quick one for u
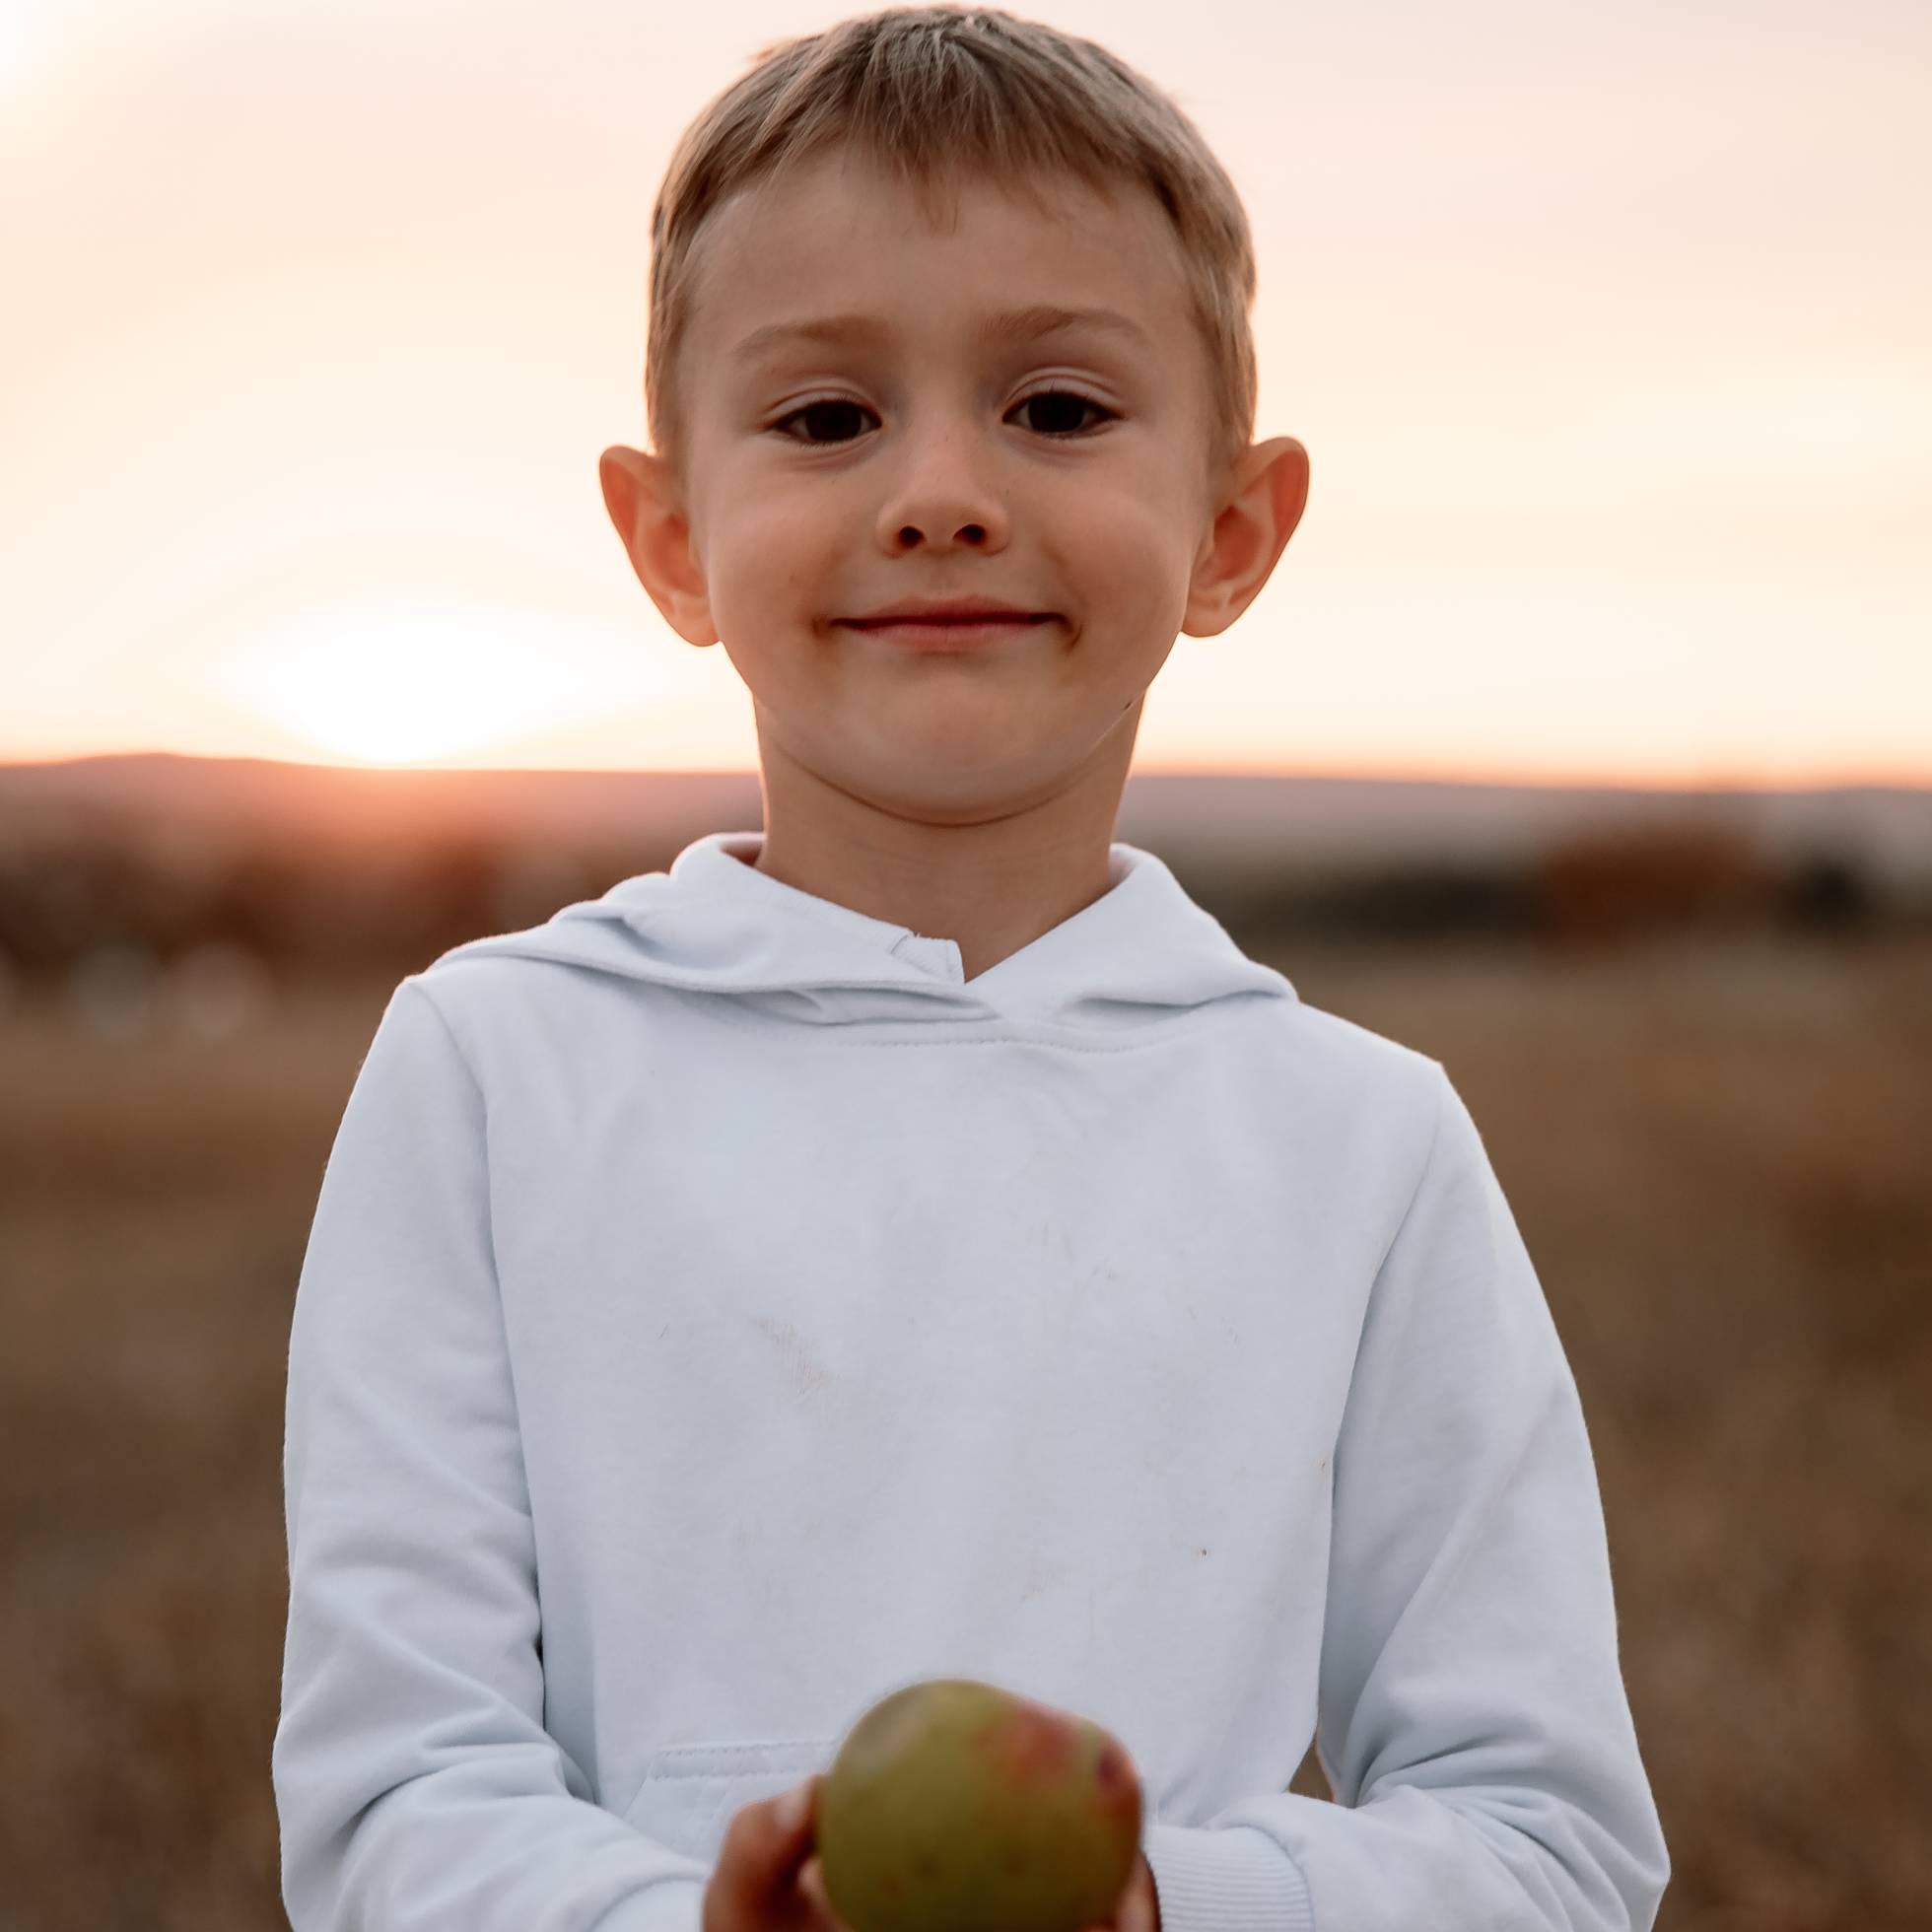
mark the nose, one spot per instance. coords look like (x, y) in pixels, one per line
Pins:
(944, 492)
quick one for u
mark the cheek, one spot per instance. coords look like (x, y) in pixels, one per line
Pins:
(762, 562)
(1132, 551)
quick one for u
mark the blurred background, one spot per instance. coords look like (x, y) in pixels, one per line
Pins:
(1582, 739)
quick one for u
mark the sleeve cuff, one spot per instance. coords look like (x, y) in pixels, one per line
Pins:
(1233, 1880)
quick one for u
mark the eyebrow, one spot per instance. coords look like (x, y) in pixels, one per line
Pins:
(1011, 325)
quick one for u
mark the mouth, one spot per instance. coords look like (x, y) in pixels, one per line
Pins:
(965, 619)
(950, 633)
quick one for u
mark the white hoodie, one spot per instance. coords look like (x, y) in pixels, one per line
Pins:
(719, 1314)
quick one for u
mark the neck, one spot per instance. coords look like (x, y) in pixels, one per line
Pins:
(992, 884)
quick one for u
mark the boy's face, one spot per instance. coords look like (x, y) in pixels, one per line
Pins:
(828, 480)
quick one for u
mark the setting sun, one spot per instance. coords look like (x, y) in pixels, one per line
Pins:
(402, 685)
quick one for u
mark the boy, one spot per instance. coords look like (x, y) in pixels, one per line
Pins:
(916, 1241)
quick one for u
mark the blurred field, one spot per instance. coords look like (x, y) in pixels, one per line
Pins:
(1719, 1151)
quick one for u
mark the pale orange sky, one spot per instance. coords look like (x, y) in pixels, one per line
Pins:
(1609, 331)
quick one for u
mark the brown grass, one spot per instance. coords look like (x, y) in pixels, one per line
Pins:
(1721, 1157)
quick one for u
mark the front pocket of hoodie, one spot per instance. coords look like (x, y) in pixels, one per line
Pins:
(690, 1792)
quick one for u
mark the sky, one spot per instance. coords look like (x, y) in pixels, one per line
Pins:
(1609, 332)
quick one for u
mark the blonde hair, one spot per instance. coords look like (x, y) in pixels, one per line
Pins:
(929, 93)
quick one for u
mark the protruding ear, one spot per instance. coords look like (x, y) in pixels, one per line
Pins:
(1260, 508)
(648, 512)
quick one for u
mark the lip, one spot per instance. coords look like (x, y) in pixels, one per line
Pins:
(948, 634)
(924, 610)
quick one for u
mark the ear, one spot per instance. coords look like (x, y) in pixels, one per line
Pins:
(1260, 506)
(647, 511)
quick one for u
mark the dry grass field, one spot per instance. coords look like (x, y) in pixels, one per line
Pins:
(1720, 1153)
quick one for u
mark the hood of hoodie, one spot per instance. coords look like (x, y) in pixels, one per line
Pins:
(714, 924)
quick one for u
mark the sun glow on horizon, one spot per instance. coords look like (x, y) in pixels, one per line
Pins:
(1620, 463)
(403, 684)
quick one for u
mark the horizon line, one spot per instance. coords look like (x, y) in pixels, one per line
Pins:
(1569, 781)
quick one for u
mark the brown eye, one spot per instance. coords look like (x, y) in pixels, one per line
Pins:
(831, 421)
(1064, 403)
(837, 409)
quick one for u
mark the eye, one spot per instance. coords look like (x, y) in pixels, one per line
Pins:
(833, 407)
(1063, 397)
(839, 411)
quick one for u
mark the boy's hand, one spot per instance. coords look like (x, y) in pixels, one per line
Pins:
(768, 1876)
(1140, 1908)
(758, 1883)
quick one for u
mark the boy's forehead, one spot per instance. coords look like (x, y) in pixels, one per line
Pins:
(839, 238)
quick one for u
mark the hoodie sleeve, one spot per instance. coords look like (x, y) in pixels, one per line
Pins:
(415, 1785)
(1472, 1721)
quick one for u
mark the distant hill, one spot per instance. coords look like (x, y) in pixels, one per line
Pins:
(1228, 824)
(313, 867)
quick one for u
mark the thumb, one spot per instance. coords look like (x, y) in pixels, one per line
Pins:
(792, 1811)
(758, 1861)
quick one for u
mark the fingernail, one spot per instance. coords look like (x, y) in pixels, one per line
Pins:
(792, 1807)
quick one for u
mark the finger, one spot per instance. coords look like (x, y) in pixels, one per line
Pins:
(794, 1812)
(759, 1855)
(812, 1883)
(1140, 1911)
(787, 1824)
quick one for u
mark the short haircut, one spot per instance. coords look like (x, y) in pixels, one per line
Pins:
(935, 93)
